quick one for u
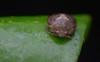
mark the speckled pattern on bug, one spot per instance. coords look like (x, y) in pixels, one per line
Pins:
(62, 25)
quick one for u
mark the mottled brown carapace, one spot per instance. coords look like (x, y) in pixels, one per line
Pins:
(62, 25)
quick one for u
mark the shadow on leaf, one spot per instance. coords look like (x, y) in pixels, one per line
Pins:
(59, 40)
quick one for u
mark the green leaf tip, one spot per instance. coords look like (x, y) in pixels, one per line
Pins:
(25, 39)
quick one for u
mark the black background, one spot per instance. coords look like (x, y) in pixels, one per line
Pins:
(90, 50)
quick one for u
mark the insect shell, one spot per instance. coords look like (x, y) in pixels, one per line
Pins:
(61, 25)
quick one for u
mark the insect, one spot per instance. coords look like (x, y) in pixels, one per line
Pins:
(61, 24)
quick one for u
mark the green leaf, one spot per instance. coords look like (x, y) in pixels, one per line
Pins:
(26, 39)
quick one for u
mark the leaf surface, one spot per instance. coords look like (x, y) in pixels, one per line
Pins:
(26, 39)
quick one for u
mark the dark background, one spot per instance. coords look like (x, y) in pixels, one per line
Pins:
(90, 50)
